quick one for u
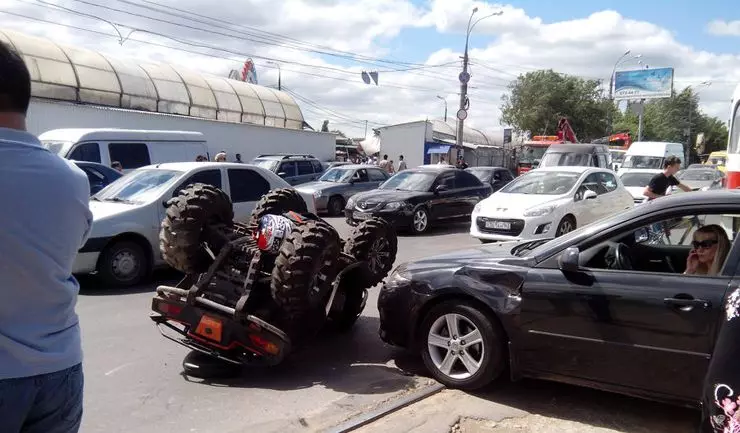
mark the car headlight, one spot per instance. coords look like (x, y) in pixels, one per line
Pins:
(350, 203)
(317, 194)
(477, 208)
(395, 205)
(398, 277)
(540, 211)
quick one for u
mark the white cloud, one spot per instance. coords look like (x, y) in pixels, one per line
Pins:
(503, 47)
(724, 28)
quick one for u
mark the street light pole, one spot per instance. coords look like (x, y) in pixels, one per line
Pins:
(688, 139)
(280, 73)
(445, 101)
(464, 77)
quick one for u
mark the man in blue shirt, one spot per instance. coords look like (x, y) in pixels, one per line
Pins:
(44, 220)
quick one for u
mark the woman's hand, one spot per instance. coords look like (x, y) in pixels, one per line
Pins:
(692, 262)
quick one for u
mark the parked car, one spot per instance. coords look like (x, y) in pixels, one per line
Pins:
(338, 184)
(497, 177)
(420, 197)
(123, 246)
(606, 306)
(636, 180)
(328, 165)
(98, 175)
(704, 178)
(549, 202)
(295, 169)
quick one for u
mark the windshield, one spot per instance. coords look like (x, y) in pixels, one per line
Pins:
(484, 175)
(639, 161)
(717, 160)
(559, 159)
(542, 183)
(58, 147)
(530, 154)
(139, 186)
(269, 164)
(410, 181)
(636, 179)
(696, 175)
(617, 157)
(338, 175)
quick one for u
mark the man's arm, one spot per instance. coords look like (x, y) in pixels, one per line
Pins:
(649, 193)
(684, 187)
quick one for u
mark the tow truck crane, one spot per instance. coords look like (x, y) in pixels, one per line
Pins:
(530, 152)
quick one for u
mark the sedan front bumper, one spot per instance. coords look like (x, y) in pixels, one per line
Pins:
(500, 228)
(397, 218)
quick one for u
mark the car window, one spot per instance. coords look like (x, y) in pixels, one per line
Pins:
(361, 176)
(592, 182)
(464, 179)
(377, 175)
(446, 179)
(304, 167)
(130, 155)
(86, 152)
(609, 182)
(664, 246)
(288, 168)
(317, 167)
(247, 185)
(602, 160)
(208, 177)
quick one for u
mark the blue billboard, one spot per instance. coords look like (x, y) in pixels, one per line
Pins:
(643, 84)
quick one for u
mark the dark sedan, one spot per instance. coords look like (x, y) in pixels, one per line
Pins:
(417, 198)
(497, 177)
(98, 175)
(605, 306)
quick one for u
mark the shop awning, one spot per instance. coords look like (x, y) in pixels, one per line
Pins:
(438, 149)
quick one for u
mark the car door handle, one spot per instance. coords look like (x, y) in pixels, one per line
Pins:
(685, 303)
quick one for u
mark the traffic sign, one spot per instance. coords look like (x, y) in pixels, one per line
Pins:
(464, 77)
(462, 114)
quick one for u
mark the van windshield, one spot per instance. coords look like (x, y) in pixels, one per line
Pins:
(139, 186)
(559, 159)
(268, 164)
(59, 147)
(639, 161)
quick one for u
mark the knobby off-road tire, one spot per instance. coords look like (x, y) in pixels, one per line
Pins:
(195, 208)
(277, 202)
(302, 278)
(374, 241)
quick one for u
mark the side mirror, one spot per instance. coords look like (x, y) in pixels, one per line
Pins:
(589, 195)
(440, 188)
(641, 235)
(282, 174)
(568, 261)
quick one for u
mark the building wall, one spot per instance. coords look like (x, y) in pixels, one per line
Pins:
(406, 139)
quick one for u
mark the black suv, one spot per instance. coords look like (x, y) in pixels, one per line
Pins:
(294, 168)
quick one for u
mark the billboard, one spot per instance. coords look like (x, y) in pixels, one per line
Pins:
(643, 84)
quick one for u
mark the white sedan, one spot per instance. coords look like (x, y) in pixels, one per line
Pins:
(549, 202)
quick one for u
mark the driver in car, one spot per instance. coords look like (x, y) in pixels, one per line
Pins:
(709, 249)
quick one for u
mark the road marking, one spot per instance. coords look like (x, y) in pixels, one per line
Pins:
(120, 367)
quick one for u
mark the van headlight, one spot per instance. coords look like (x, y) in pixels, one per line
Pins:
(539, 211)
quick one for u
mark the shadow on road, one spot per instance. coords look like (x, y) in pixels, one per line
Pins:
(353, 363)
(441, 229)
(579, 404)
(91, 285)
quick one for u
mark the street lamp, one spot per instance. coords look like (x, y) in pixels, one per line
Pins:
(445, 101)
(464, 77)
(688, 139)
(280, 73)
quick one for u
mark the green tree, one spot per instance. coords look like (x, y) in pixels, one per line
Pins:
(536, 100)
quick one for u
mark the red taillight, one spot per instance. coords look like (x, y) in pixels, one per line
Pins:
(169, 309)
(267, 346)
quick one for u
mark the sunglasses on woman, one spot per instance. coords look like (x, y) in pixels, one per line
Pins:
(707, 243)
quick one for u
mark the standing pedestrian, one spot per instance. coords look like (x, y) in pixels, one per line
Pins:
(220, 156)
(115, 165)
(239, 158)
(41, 379)
(401, 164)
(384, 163)
(442, 161)
(660, 183)
(391, 167)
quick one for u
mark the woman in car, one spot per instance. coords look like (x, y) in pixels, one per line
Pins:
(710, 248)
(720, 401)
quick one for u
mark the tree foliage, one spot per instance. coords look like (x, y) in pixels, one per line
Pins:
(538, 99)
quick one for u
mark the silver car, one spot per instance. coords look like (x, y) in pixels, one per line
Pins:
(338, 184)
(701, 178)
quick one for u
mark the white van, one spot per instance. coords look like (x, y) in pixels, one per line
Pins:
(132, 148)
(651, 155)
(123, 245)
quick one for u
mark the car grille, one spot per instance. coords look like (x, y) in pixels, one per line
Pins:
(516, 226)
(368, 206)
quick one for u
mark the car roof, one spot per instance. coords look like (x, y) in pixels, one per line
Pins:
(75, 135)
(486, 167)
(280, 157)
(578, 147)
(570, 169)
(187, 166)
(355, 166)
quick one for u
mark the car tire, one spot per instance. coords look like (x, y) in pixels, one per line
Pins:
(566, 225)
(421, 225)
(182, 234)
(335, 207)
(307, 261)
(486, 355)
(374, 241)
(123, 264)
(277, 202)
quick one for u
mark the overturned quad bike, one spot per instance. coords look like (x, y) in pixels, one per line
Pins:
(253, 291)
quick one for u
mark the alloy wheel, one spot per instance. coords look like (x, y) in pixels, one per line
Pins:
(456, 346)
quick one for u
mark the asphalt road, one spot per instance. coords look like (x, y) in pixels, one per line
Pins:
(134, 381)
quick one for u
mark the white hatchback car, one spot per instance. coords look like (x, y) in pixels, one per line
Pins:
(124, 241)
(549, 202)
(636, 180)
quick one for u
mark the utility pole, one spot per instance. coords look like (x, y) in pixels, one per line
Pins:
(365, 129)
(280, 74)
(691, 110)
(464, 78)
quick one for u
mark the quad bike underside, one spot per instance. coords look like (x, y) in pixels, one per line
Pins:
(247, 300)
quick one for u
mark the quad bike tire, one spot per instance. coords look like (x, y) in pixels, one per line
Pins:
(354, 302)
(375, 242)
(183, 228)
(308, 253)
(277, 202)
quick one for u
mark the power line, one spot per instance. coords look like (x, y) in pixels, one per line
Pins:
(316, 105)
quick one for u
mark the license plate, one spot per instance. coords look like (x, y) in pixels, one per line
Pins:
(499, 225)
(210, 328)
(361, 216)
